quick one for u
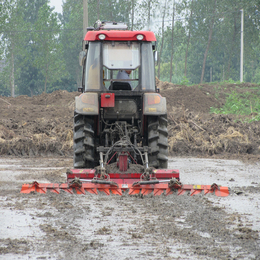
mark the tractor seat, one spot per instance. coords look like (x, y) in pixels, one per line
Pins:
(120, 86)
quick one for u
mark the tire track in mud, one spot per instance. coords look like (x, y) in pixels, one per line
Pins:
(69, 226)
(101, 227)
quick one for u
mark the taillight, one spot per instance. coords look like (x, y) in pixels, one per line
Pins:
(88, 99)
(153, 99)
(154, 104)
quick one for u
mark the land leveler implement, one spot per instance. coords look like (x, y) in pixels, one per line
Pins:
(120, 121)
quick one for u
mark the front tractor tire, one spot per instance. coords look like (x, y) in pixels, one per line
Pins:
(84, 142)
(158, 141)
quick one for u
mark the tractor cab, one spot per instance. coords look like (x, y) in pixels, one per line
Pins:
(117, 59)
(119, 111)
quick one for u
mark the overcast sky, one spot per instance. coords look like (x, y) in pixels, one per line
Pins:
(57, 4)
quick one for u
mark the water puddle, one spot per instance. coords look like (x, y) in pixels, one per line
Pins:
(17, 225)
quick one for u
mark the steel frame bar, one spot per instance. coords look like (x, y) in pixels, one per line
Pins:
(93, 188)
(91, 173)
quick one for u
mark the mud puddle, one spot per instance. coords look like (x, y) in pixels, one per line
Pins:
(65, 226)
(242, 179)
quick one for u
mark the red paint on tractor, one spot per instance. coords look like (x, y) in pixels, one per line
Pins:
(114, 35)
(107, 99)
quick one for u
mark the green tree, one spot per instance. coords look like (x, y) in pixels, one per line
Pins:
(48, 49)
(5, 6)
(71, 40)
(30, 79)
(109, 10)
(162, 38)
(177, 67)
(12, 40)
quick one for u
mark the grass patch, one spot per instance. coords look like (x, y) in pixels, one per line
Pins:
(240, 104)
(230, 81)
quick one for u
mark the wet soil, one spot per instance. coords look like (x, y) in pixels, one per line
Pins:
(70, 226)
(36, 139)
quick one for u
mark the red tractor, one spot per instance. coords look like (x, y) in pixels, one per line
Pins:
(120, 109)
(120, 121)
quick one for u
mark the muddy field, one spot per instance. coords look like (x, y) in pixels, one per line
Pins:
(36, 144)
(65, 226)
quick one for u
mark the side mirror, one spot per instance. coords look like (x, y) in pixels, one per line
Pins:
(80, 89)
(155, 57)
(82, 57)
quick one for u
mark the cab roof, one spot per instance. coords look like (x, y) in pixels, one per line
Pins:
(118, 35)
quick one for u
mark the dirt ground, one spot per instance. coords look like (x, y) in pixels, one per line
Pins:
(70, 226)
(36, 140)
(42, 125)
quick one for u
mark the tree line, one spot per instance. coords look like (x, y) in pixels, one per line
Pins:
(197, 40)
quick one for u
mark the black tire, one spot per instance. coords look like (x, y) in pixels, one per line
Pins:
(158, 141)
(84, 145)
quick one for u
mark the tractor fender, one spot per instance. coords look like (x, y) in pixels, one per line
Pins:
(87, 104)
(154, 104)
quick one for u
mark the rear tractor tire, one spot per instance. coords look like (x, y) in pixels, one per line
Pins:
(84, 142)
(158, 142)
